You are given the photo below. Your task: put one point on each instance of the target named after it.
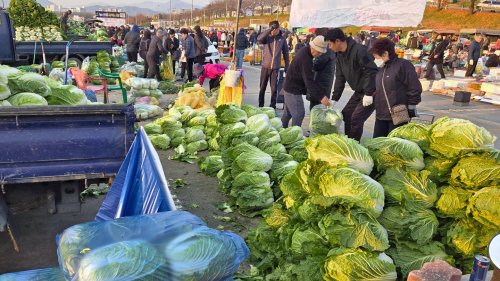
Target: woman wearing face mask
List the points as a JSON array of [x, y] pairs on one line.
[[396, 84]]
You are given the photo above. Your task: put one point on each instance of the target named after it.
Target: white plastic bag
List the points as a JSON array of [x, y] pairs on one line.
[[85, 64]]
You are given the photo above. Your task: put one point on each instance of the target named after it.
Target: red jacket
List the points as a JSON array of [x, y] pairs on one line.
[[212, 71]]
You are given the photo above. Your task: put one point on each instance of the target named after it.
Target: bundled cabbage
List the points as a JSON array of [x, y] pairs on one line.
[[325, 120], [410, 188], [355, 264], [28, 82], [452, 137], [160, 141], [395, 153], [27, 99], [211, 165], [453, 201], [415, 132], [339, 151], [477, 171]]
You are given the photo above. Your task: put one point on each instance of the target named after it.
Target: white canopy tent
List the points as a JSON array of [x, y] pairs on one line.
[[340, 13]]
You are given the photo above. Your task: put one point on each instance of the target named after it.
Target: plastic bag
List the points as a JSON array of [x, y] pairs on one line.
[[52, 274], [165, 246], [85, 64], [146, 111], [58, 75], [324, 121]]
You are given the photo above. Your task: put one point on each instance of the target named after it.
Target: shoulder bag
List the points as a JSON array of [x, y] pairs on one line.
[[399, 112]]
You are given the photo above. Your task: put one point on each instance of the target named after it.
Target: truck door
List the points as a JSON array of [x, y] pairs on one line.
[[7, 48]]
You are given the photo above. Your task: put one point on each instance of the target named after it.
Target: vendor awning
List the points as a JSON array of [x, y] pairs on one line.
[[480, 31]]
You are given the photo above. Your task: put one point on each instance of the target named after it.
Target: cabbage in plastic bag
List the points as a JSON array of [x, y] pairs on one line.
[[52, 274], [325, 120]]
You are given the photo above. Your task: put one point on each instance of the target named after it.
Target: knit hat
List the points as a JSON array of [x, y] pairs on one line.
[[198, 69], [318, 43]]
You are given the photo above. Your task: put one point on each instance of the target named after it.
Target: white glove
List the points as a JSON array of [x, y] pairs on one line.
[[367, 100], [471, 62]]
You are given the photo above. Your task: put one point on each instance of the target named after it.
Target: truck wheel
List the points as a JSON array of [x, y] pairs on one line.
[[76, 59]]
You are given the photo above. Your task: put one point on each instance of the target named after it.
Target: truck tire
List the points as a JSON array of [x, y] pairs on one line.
[[78, 59]]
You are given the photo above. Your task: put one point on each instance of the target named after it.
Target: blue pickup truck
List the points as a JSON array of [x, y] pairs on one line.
[[22, 53]]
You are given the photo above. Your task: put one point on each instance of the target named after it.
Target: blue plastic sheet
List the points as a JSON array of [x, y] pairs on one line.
[[45, 274], [140, 186], [171, 246]]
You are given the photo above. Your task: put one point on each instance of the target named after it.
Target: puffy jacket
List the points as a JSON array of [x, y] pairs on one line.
[[356, 67], [300, 77], [274, 47], [324, 71], [241, 41], [401, 86], [188, 45], [132, 40], [155, 49]]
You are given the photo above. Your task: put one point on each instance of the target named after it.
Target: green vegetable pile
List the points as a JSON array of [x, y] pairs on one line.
[[99, 35], [106, 63], [168, 88], [446, 209], [29, 13], [327, 227], [30, 89]]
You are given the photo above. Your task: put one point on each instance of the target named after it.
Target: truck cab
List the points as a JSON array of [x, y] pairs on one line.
[[7, 48]]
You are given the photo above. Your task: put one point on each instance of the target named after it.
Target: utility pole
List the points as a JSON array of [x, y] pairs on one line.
[[226, 10], [278, 11], [170, 11], [192, 7]]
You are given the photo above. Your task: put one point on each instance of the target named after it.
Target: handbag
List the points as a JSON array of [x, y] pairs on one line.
[[399, 112]]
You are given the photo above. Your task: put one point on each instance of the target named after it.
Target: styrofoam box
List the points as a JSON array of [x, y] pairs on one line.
[[459, 73], [454, 84], [495, 71], [490, 88], [438, 85], [426, 84]]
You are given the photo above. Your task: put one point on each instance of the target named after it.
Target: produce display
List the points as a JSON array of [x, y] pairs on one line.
[[168, 88], [30, 14], [106, 63], [46, 33], [141, 87], [29, 89], [99, 35], [77, 29]]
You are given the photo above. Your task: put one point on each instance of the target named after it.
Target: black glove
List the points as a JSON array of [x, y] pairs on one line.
[[412, 111]]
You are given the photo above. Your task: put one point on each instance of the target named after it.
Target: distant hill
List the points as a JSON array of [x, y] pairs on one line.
[[130, 10], [148, 8]]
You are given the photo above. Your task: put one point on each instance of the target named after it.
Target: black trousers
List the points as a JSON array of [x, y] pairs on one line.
[[214, 83], [200, 59], [430, 65], [384, 127], [471, 69], [146, 68], [132, 56], [183, 69], [355, 115], [173, 66], [268, 76], [189, 66]]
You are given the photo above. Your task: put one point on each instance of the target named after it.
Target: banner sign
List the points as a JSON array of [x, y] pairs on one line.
[[340, 13]]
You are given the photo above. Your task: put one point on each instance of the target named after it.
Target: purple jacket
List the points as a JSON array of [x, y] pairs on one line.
[[274, 47]]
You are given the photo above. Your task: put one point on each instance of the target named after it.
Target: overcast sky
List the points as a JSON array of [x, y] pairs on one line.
[[119, 2]]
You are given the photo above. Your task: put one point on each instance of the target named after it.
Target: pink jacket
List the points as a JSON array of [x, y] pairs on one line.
[[212, 71]]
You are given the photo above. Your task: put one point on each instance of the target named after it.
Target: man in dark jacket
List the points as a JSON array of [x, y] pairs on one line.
[[132, 40], [436, 56], [323, 74], [275, 46], [189, 48], [155, 50], [172, 46], [412, 41], [64, 21], [299, 80], [474, 55], [356, 67], [241, 45]]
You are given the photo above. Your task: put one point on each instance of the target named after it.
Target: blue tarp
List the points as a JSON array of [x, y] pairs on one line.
[[140, 186]]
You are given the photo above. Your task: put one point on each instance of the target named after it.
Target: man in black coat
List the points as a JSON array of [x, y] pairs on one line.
[[323, 74], [355, 66], [172, 46], [474, 55], [436, 56], [300, 79]]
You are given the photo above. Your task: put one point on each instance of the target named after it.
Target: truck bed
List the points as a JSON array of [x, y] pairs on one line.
[[56, 143], [83, 48]]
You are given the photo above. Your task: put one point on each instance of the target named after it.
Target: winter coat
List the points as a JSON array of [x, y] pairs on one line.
[[438, 49], [155, 49], [171, 45], [132, 40], [401, 86], [201, 45], [412, 43], [356, 67], [324, 71], [300, 77], [274, 47], [211, 71], [188, 45], [241, 41], [474, 51]]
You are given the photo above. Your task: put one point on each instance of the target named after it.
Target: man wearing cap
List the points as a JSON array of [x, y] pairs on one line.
[[275, 46], [213, 72], [356, 67], [299, 80]]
